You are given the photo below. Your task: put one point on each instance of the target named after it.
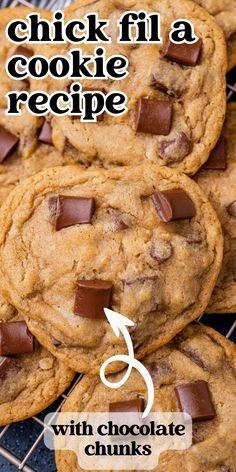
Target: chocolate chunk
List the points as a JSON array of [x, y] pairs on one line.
[[193, 356], [177, 148], [120, 224], [132, 329], [91, 297], [160, 372], [121, 221], [195, 241], [134, 332], [56, 343], [128, 406], [195, 399], [185, 54], [161, 250], [153, 116], [231, 209], [45, 134], [24, 85], [22, 51], [5, 364], [173, 205], [15, 338], [70, 211], [168, 78], [141, 280], [69, 150], [217, 159], [172, 92], [8, 143]]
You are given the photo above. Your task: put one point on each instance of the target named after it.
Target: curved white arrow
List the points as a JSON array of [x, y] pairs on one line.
[[119, 325]]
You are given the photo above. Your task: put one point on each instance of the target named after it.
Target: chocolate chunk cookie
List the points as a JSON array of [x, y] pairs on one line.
[[176, 99], [218, 181], [30, 377], [224, 12], [143, 241], [196, 373]]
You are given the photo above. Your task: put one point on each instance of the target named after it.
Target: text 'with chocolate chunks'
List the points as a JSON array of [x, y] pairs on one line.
[[15, 338], [69, 211], [173, 205], [195, 399], [91, 297], [185, 54]]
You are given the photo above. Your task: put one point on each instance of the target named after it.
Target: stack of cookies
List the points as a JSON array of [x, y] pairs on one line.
[[136, 214]]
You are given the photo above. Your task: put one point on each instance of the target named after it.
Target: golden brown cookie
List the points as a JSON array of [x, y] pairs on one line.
[[31, 378], [224, 12], [144, 241], [22, 152], [197, 356], [195, 93], [219, 185], [25, 147]]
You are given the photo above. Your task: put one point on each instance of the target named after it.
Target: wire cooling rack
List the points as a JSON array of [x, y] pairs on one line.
[[21, 444], [48, 4]]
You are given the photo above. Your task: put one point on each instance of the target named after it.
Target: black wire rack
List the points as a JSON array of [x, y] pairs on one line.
[[21, 444]]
